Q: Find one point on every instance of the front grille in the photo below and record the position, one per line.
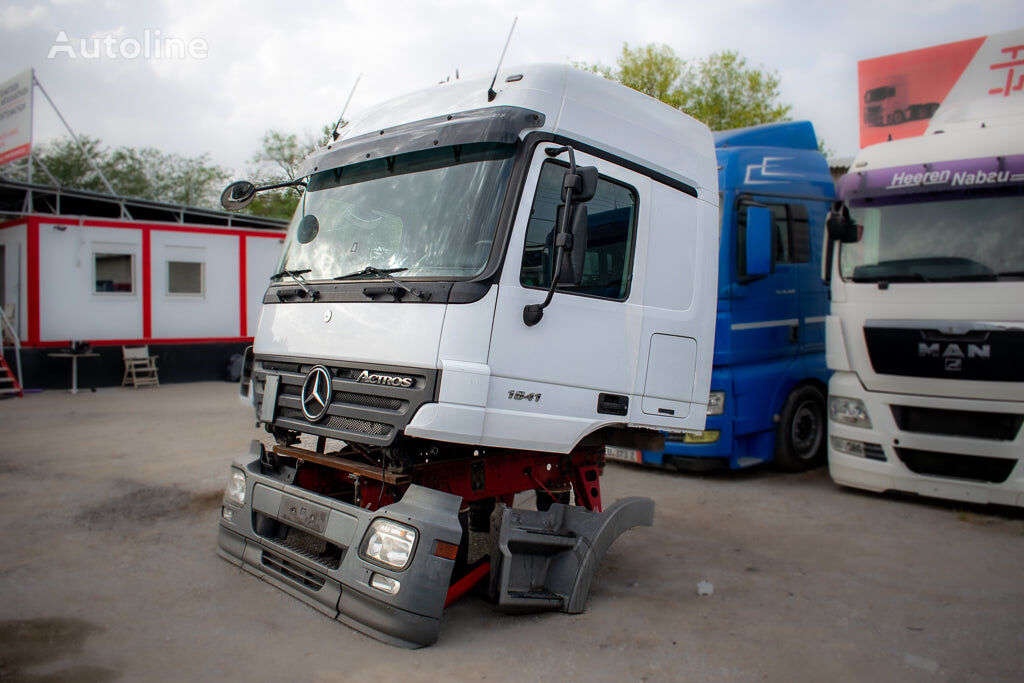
(291, 571)
(371, 411)
(336, 422)
(983, 355)
(953, 466)
(970, 424)
(311, 547)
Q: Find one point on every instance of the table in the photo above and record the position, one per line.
(74, 365)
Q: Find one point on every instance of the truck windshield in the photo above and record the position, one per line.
(960, 239)
(431, 214)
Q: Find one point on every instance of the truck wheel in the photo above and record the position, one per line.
(897, 117)
(800, 437)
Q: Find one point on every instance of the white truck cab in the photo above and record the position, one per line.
(926, 331)
(481, 288)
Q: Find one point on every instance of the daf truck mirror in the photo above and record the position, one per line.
(760, 226)
(238, 195)
(841, 227)
(574, 244)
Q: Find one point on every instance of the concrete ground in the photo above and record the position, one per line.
(109, 504)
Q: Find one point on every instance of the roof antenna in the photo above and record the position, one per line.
(334, 133)
(490, 91)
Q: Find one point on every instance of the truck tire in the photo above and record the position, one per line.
(800, 437)
(897, 117)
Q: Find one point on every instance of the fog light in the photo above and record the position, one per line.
(848, 446)
(709, 436)
(389, 543)
(851, 411)
(236, 487)
(227, 513)
(385, 583)
(716, 403)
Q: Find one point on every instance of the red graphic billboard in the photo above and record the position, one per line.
(904, 94)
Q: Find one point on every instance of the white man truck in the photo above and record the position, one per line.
(480, 290)
(926, 332)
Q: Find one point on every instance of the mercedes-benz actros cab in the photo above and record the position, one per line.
(481, 288)
(926, 330)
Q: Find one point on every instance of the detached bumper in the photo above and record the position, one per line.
(308, 546)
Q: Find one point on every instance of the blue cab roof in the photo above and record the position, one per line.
(790, 134)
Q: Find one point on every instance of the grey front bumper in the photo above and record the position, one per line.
(340, 586)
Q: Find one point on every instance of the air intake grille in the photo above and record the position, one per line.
(971, 424)
(953, 466)
(337, 422)
(291, 571)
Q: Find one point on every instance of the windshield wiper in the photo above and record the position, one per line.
(387, 273)
(297, 276)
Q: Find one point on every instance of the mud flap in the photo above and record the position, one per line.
(548, 559)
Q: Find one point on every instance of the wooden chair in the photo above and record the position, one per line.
(139, 366)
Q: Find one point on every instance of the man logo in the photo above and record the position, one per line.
(388, 380)
(953, 356)
(316, 393)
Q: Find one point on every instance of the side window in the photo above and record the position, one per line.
(611, 222)
(792, 235)
(185, 277)
(114, 273)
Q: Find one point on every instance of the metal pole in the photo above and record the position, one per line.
(78, 142)
(29, 202)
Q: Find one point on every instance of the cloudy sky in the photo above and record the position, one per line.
(290, 66)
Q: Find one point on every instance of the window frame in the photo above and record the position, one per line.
(131, 273)
(629, 258)
(202, 280)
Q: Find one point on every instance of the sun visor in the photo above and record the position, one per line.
(490, 124)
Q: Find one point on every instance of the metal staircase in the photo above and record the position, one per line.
(9, 382)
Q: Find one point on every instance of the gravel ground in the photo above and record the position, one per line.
(108, 571)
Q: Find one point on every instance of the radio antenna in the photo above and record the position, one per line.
(334, 133)
(490, 91)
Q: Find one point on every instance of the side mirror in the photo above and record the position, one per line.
(575, 243)
(841, 228)
(238, 195)
(760, 251)
(583, 184)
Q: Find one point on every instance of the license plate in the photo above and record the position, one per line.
(625, 454)
(303, 514)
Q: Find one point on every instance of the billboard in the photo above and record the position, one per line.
(906, 94)
(16, 117)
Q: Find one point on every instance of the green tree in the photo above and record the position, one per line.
(278, 161)
(720, 89)
(146, 173)
(723, 92)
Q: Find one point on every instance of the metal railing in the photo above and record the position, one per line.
(6, 331)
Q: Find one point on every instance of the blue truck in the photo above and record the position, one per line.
(769, 381)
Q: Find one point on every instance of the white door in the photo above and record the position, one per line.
(547, 380)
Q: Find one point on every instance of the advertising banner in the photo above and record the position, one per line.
(15, 117)
(907, 94)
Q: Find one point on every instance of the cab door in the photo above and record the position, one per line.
(548, 380)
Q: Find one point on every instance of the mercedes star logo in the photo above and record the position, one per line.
(316, 393)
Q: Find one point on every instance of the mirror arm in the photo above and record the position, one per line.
(532, 313)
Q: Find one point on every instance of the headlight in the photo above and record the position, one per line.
(851, 411)
(716, 403)
(236, 487)
(388, 543)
